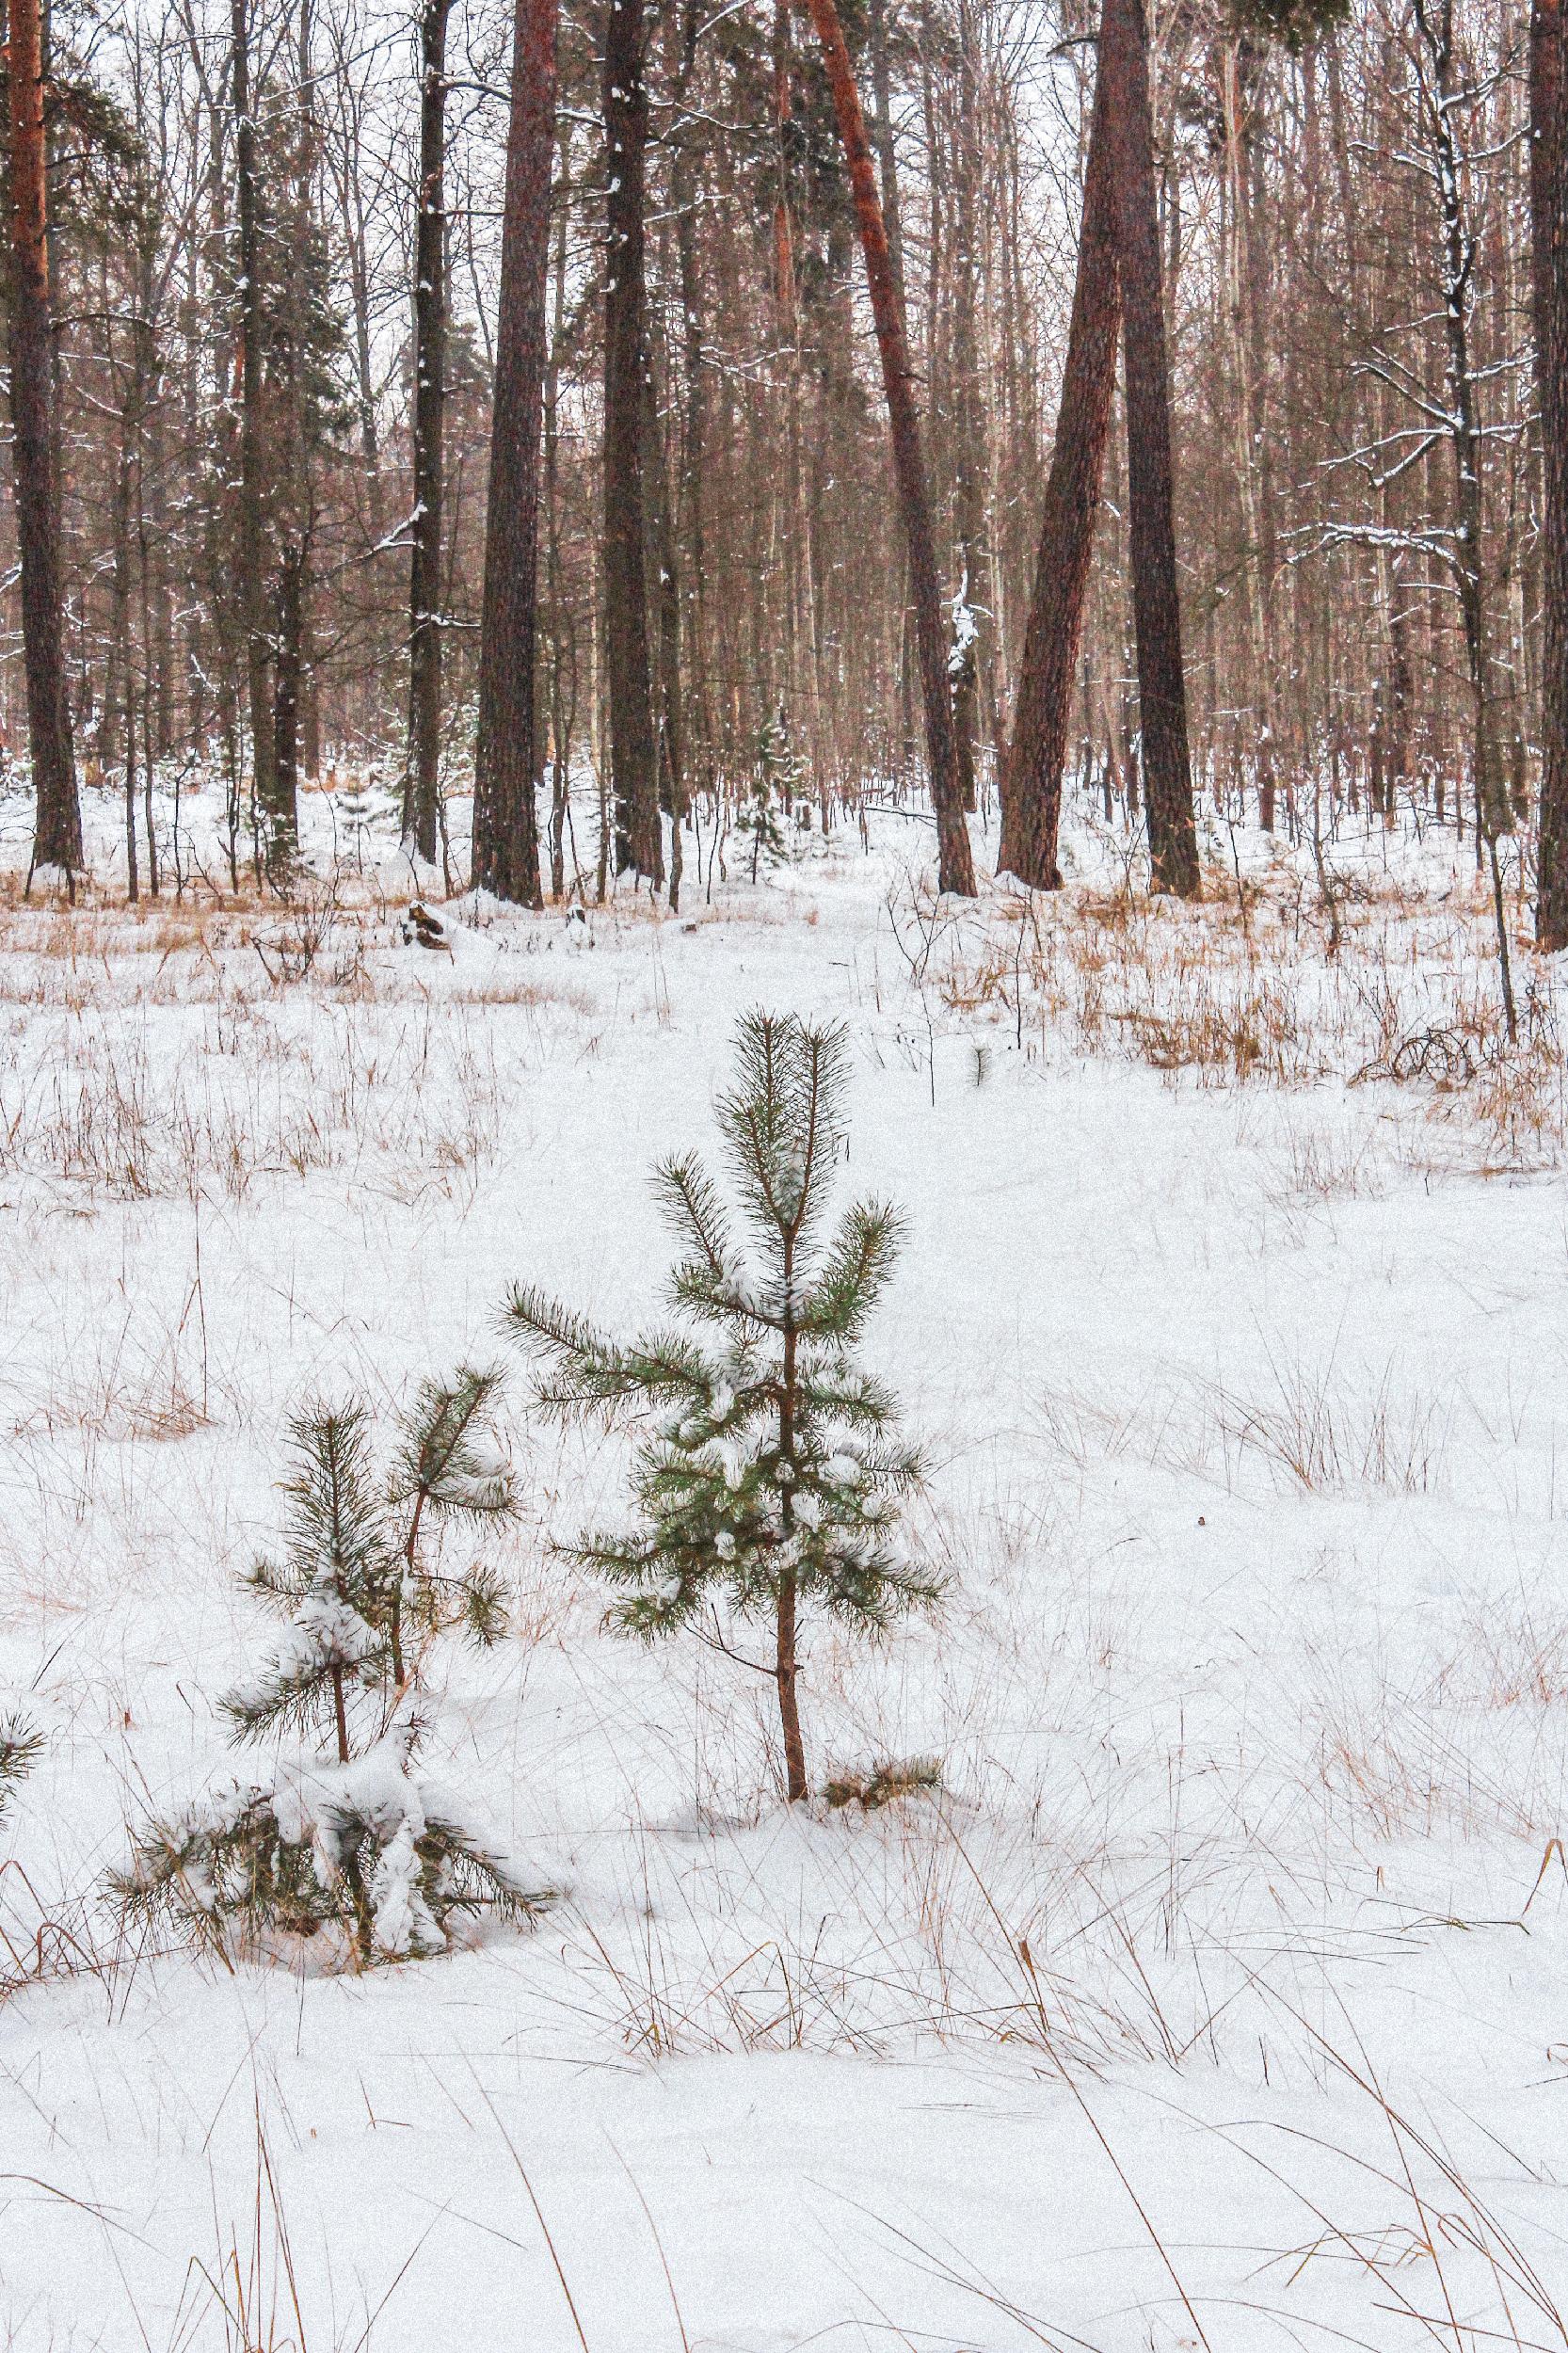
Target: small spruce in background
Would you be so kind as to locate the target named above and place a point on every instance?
(346, 1835)
(773, 1478)
(775, 781)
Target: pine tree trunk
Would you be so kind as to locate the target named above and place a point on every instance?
(633, 763)
(1549, 236)
(786, 1656)
(288, 669)
(505, 827)
(276, 846)
(422, 777)
(787, 1670)
(955, 864)
(1156, 605)
(968, 456)
(57, 823)
(1031, 791)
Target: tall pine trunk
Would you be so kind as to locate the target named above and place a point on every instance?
(422, 776)
(1549, 236)
(276, 843)
(1031, 787)
(968, 450)
(505, 826)
(1156, 601)
(634, 761)
(57, 822)
(955, 864)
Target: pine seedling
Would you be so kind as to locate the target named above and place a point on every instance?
(331, 1585)
(358, 1842)
(773, 783)
(20, 1746)
(773, 1478)
(449, 1468)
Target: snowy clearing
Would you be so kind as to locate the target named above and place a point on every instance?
(1215, 1999)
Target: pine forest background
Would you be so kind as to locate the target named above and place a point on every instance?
(1309, 222)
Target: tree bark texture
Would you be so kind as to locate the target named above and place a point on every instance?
(1156, 601)
(1549, 242)
(633, 760)
(1031, 782)
(955, 864)
(505, 827)
(422, 776)
(57, 822)
(276, 821)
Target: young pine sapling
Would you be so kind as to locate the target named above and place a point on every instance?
(21, 1744)
(773, 1476)
(350, 1837)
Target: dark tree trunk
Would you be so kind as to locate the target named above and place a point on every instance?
(506, 829)
(288, 668)
(787, 1674)
(57, 822)
(969, 452)
(421, 778)
(1032, 784)
(1156, 601)
(955, 864)
(276, 821)
(1549, 228)
(634, 764)
(882, 131)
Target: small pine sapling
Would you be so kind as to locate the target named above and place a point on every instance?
(773, 784)
(448, 1469)
(774, 1474)
(20, 1745)
(355, 1840)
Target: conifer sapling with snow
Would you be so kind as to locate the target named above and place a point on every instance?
(773, 1476)
(347, 1833)
(774, 786)
(21, 1743)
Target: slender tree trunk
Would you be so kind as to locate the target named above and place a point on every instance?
(1031, 787)
(969, 452)
(787, 1670)
(1156, 605)
(786, 1655)
(57, 822)
(276, 820)
(1550, 239)
(882, 132)
(955, 864)
(288, 667)
(422, 777)
(505, 827)
(633, 763)
(559, 727)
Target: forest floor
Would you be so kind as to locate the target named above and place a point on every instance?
(1219, 1996)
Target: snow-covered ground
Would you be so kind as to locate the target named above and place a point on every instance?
(1220, 1996)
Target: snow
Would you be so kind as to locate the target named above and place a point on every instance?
(1242, 1388)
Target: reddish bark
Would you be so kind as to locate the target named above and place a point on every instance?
(1031, 778)
(1550, 241)
(57, 826)
(955, 864)
(506, 829)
